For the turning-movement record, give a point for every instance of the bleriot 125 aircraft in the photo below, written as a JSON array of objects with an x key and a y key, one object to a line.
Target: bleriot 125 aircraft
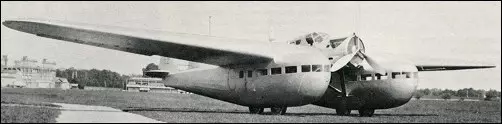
[{"x": 312, "y": 69}]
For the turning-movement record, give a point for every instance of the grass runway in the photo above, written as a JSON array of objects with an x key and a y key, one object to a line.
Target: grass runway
[{"x": 181, "y": 108}]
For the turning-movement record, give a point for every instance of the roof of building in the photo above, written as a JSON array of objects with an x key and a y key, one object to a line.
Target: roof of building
[{"x": 142, "y": 78}]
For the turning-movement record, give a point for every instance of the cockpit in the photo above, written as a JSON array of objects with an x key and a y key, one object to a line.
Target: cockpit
[
  {"x": 311, "y": 39},
  {"x": 323, "y": 41}
]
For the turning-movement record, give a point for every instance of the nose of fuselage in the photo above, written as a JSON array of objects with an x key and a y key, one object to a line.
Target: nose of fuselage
[
  {"x": 313, "y": 87},
  {"x": 385, "y": 93}
]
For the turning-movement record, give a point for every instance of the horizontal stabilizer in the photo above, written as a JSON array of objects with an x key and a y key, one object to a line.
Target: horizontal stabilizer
[{"x": 448, "y": 67}]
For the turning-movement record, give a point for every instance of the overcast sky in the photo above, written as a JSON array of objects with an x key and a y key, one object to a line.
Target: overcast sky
[{"x": 422, "y": 32}]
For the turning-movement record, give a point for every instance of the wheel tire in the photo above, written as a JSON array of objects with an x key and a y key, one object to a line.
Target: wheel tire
[
  {"x": 278, "y": 110},
  {"x": 342, "y": 112},
  {"x": 366, "y": 112},
  {"x": 255, "y": 110}
]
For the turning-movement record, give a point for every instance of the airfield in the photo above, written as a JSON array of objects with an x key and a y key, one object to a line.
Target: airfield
[{"x": 185, "y": 108}]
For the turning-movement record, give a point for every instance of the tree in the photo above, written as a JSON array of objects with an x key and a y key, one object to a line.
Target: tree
[
  {"x": 492, "y": 94},
  {"x": 446, "y": 96},
  {"x": 436, "y": 91},
  {"x": 426, "y": 91},
  {"x": 448, "y": 91},
  {"x": 418, "y": 94},
  {"x": 149, "y": 67}
]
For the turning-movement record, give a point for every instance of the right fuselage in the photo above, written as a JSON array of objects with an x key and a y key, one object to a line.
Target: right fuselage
[{"x": 370, "y": 90}]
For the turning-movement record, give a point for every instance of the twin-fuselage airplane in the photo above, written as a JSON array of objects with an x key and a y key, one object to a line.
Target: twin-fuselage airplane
[{"x": 312, "y": 69}]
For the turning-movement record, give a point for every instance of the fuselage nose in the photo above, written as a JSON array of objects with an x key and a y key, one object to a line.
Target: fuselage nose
[{"x": 310, "y": 86}]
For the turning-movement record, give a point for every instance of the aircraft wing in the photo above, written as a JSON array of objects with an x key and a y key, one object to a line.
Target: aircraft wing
[
  {"x": 197, "y": 48},
  {"x": 448, "y": 67}
]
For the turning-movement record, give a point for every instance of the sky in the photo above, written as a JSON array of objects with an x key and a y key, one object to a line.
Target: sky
[{"x": 434, "y": 33}]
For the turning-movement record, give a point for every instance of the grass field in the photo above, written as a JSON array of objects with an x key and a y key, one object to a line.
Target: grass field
[
  {"x": 171, "y": 107},
  {"x": 28, "y": 114}
]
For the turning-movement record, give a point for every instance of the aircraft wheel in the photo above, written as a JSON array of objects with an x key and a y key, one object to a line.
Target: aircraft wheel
[
  {"x": 366, "y": 112},
  {"x": 278, "y": 110},
  {"x": 342, "y": 112},
  {"x": 255, "y": 110}
]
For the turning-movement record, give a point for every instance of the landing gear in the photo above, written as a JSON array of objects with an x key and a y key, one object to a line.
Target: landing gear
[
  {"x": 255, "y": 110},
  {"x": 366, "y": 112},
  {"x": 342, "y": 112},
  {"x": 278, "y": 110}
]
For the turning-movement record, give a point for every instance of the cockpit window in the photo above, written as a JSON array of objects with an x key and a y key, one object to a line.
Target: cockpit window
[
  {"x": 297, "y": 42},
  {"x": 335, "y": 42},
  {"x": 311, "y": 39}
]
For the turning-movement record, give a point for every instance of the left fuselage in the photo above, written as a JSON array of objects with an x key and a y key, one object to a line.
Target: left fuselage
[{"x": 298, "y": 79}]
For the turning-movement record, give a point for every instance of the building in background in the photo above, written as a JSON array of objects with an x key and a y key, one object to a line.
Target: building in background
[
  {"x": 142, "y": 84},
  {"x": 28, "y": 73},
  {"x": 62, "y": 83}
]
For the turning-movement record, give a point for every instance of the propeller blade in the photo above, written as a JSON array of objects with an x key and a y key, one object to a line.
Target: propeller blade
[
  {"x": 374, "y": 64},
  {"x": 342, "y": 62}
]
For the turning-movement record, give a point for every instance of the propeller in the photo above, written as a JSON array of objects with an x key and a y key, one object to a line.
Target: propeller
[
  {"x": 350, "y": 52},
  {"x": 374, "y": 64}
]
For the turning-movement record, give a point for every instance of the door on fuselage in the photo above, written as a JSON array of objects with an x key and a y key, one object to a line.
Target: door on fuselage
[{"x": 239, "y": 79}]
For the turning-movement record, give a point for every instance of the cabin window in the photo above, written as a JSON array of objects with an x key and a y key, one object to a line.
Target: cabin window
[
  {"x": 316, "y": 68},
  {"x": 305, "y": 68},
  {"x": 241, "y": 74},
  {"x": 276, "y": 70},
  {"x": 291, "y": 69},
  {"x": 366, "y": 77},
  {"x": 250, "y": 73},
  {"x": 394, "y": 74},
  {"x": 262, "y": 72},
  {"x": 380, "y": 76},
  {"x": 327, "y": 68}
]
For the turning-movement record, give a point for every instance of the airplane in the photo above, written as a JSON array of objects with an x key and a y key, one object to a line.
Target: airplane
[{"x": 311, "y": 69}]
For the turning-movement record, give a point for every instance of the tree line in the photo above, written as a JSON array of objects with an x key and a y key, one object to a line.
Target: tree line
[
  {"x": 98, "y": 78},
  {"x": 93, "y": 77},
  {"x": 462, "y": 93}
]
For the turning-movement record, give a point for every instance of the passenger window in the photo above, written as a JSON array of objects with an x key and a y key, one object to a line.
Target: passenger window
[
  {"x": 316, "y": 68},
  {"x": 276, "y": 70},
  {"x": 366, "y": 77},
  {"x": 380, "y": 76},
  {"x": 262, "y": 71},
  {"x": 241, "y": 74},
  {"x": 394, "y": 74},
  {"x": 291, "y": 69},
  {"x": 327, "y": 68},
  {"x": 305, "y": 68},
  {"x": 250, "y": 73}
]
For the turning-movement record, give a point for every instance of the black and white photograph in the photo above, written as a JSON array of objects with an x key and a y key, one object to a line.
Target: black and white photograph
[{"x": 250, "y": 61}]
